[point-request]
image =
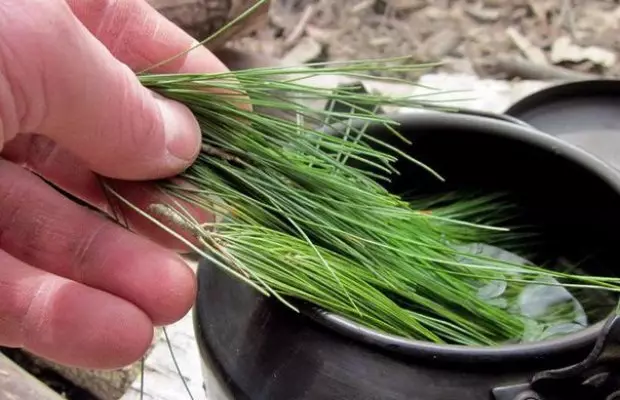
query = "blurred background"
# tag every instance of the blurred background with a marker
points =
(503, 39)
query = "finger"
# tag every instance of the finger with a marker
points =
(42, 156)
(44, 229)
(143, 196)
(140, 37)
(67, 322)
(94, 105)
(135, 33)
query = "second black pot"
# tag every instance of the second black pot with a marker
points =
(256, 349)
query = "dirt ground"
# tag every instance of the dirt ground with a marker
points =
(490, 38)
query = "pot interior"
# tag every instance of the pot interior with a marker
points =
(567, 197)
(263, 350)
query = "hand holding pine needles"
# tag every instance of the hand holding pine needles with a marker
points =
(302, 214)
(66, 271)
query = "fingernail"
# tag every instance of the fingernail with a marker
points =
(182, 131)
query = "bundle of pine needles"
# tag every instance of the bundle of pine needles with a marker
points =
(304, 216)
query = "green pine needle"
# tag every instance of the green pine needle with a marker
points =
(303, 214)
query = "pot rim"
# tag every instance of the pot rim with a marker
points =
(578, 341)
(579, 88)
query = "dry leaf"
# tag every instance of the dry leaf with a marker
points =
(484, 14)
(564, 49)
(528, 49)
(307, 49)
(321, 35)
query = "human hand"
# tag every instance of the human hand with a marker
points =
(74, 287)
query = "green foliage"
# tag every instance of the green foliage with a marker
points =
(304, 215)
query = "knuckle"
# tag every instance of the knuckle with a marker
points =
(40, 227)
(12, 199)
(114, 22)
(27, 227)
(138, 122)
(134, 135)
(13, 105)
(24, 303)
(10, 104)
(31, 221)
(35, 316)
(26, 50)
(145, 130)
(13, 306)
(85, 251)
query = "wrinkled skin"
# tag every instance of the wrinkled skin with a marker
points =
(74, 287)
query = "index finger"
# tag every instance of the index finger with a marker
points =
(139, 36)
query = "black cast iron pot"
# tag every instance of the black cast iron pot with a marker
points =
(256, 349)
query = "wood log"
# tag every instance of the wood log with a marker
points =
(202, 18)
(17, 384)
(102, 384)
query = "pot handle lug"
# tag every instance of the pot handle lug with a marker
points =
(597, 377)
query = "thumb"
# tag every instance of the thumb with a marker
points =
(61, 82)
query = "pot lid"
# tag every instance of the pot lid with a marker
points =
(583, 113)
